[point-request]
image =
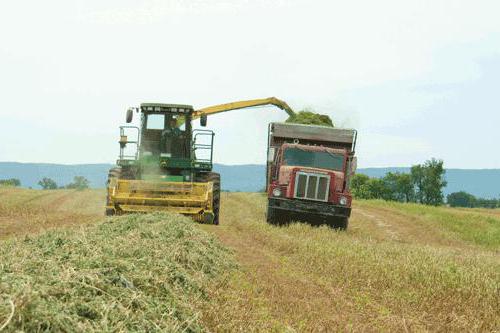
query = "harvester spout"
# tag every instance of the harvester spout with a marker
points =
(242, 105)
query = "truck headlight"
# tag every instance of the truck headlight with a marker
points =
(343, 201)
(277, 192)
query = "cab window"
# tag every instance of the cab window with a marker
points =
(156, 122)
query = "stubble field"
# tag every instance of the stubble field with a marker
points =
(398, 268)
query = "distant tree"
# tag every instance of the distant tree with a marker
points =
(487, 203)
(79, 183)
(387, 188)
(461, 199)
(378, 189)
(47, 184)
(405, 187)
(424, 185)
(399, 187)
(391, 184)
(417, 175)
(359, 186)
(10, 182)
(429, 182)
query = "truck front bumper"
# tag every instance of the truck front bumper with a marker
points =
(302, 207)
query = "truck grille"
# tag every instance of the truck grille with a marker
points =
(312, 186)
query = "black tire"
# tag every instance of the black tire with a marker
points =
(110, 212)
(278, 217)
(114, 173)
(271, 215)
(341, 223)
(213, 177)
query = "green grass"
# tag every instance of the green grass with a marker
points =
(134, 273)
(472, 226)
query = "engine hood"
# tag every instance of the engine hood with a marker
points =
(287, 171)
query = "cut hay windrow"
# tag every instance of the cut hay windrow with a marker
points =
(133, 273)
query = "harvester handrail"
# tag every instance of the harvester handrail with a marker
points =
(135, 142)
(201, 146)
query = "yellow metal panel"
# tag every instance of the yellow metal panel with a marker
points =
(244, 104)
(193, 199)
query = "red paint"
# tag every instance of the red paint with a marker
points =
(288, 190)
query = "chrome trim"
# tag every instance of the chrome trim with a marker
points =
(309, 175)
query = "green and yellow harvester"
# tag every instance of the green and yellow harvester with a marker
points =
(170, 168)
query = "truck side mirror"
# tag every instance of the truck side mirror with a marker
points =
(203, 120)
(271, 154)
(130, 115)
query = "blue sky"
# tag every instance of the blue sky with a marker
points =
(418, 79)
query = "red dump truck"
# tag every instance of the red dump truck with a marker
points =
(308, 172)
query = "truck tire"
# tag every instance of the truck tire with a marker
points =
(342, 223)
(277, 217)
(114, 173)
(213, 177)
(271, 215)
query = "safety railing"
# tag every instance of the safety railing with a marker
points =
(206, 147)
(124, 141)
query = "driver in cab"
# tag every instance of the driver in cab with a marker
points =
(172, 138)
(172, 130)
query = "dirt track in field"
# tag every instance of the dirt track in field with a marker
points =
(287, 281)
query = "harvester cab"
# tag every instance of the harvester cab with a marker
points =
(169, 146)
(170, 168)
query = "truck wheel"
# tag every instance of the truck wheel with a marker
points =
(342, 223)
(271, 215)
(277, 217)
(213, 177)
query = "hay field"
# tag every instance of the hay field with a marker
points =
(398, 267)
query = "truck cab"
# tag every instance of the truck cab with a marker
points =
(308, 173)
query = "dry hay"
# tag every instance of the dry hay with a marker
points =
(133, 273)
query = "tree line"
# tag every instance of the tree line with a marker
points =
(10, 182)
(79, 183)
(424, 184)
(464, 199)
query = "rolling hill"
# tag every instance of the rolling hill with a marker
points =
(240, 178)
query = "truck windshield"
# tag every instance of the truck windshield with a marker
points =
(313, 159)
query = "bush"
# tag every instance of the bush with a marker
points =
(464, 199)
(79, 183)
(461, 199)
(14, 182)
(48, 184)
